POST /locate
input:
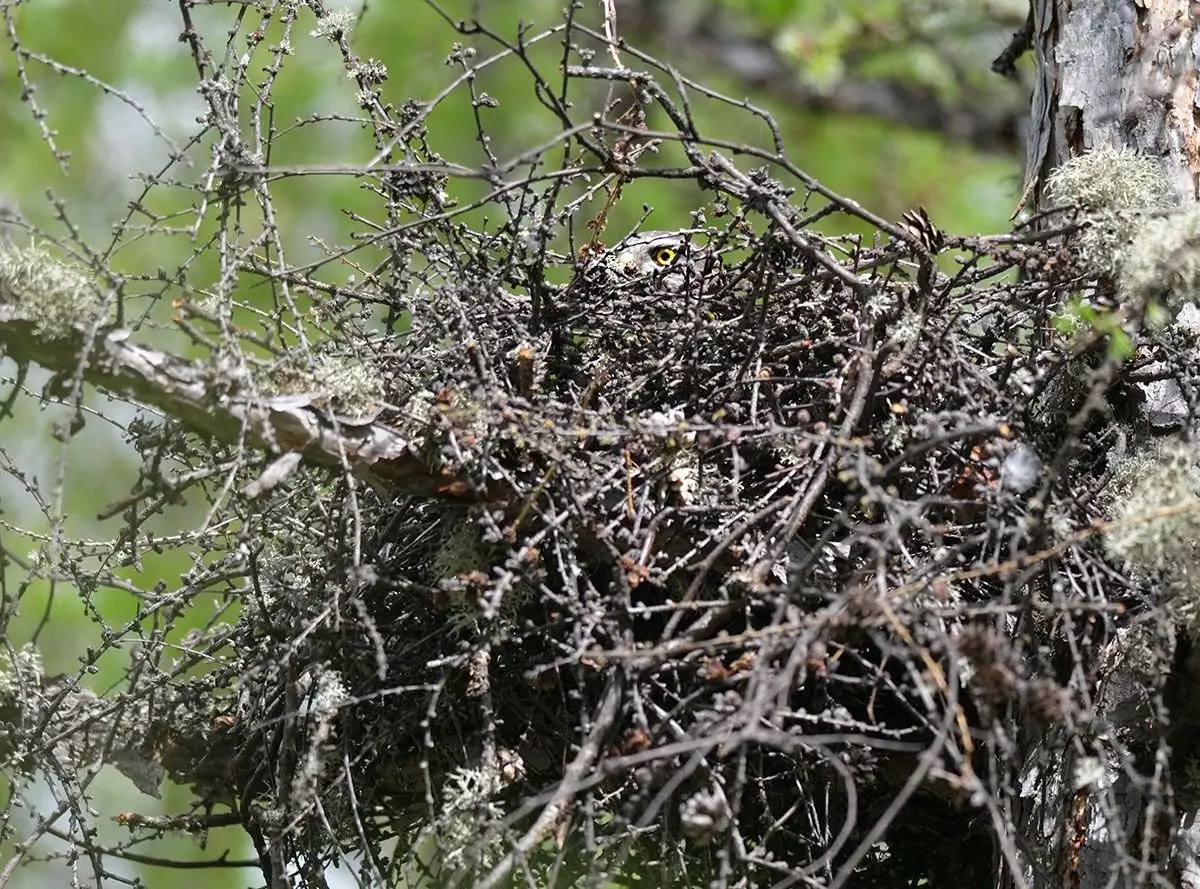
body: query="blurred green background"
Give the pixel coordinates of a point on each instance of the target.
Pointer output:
(891, 103)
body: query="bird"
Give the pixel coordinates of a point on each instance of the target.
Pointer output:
(666, 262)
(629, 307)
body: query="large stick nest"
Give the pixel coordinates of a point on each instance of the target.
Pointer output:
(728, 580)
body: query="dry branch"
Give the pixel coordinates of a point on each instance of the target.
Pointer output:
(207, 401)
(775, 556)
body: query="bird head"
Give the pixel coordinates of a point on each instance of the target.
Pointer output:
(668, 261)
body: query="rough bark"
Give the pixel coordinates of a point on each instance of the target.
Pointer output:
(1122, 75)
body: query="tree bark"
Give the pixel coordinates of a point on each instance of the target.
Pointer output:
(1119, 74)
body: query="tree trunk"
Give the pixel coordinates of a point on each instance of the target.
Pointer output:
(1118, 74)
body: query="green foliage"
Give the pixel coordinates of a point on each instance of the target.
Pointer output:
(923, 43)
(1081, 316)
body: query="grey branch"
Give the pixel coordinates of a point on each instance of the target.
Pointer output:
(188, 392)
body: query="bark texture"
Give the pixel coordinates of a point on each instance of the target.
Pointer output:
(1121, 75)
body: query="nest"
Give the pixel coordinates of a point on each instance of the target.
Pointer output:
(798, 572)
(720, 576)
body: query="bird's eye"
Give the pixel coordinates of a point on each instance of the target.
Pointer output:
(664, 255)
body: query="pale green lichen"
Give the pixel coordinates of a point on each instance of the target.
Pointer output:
(326, 697)
(20, 683)
(334, 25)
(472, 802)
(1162, 261)
(462, 568)
(59, 298)
(1107, 179)
(1187, 790)
(20, 669)
(1115, 189)
(1155, 518)
(347, 386)
(461, 552)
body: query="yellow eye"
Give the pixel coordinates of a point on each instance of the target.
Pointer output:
(664, 255)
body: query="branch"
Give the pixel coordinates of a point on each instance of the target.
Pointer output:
(187, 392)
